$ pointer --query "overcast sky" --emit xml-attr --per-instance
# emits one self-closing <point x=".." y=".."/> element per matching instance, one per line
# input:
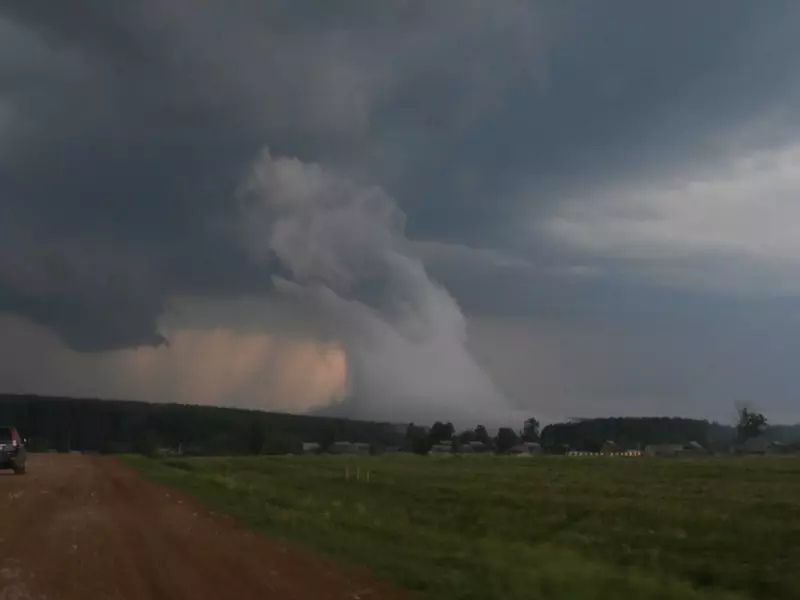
<point x="451" y="208"/>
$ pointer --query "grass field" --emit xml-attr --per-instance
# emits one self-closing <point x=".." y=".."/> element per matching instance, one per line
<point x="514" y="528"/>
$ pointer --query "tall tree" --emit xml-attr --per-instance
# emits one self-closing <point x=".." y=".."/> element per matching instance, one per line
<point x="467" y="436"/>
<point x="441" y="432"/>
<point x="329" y="438"/>
<point x="416" y="440"/>
<point x="482" y="435"/>
<point x="749" y="423"/>
<point x="507" y="438"/>
<point x="530" y="432"/>
<point x="410" y="431"/>
<point x="256" y="437"/>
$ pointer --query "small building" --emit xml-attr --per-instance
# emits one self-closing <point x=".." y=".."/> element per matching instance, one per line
<point x="609" y="447"/>
<point x="526" y="449"/>
<point x="349" y="448"/>
<point x="311" y="447"/>
<point x="441" y="449"/>
<point x="663" y="450"/>
<point x="476" y="447"/>
<point x="758" y="445"/>
<point x="687" y="449"/>
<point x="362" y="448"/>
<point x="341" y="448"/>
<point x="166" y="452"/>
<point x="694" y="449"/>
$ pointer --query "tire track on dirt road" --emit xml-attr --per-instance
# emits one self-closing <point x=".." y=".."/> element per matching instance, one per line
<point x="78" y="527"/>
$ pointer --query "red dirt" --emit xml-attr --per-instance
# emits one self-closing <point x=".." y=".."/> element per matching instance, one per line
<point x="81" y="527"/>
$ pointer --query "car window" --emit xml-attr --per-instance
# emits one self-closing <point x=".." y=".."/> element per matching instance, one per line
<point x="5" y="434"/>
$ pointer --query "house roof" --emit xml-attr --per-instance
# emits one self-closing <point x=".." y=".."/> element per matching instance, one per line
<point x="756" y="443"/>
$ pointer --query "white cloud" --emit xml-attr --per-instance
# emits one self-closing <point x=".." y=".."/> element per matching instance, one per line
<point x="737" y="228"/>
<point x="404" y="340"/>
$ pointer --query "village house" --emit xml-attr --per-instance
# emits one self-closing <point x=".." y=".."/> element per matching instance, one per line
<point x="758" y="445"/>
<point x="609" y="447"/>
<point x="311" y="447"/>
<point x="526" y="449"/>
<point x="349" y="448"/>
<point x="441" y="449"/>
<point x="688" y="449"/>
<point x="476" y="447"/>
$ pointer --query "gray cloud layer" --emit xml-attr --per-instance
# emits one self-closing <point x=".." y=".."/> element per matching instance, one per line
<point x="534" y="147"/>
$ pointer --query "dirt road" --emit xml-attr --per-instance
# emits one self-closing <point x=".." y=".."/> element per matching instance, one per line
<point x="80" y="527"/>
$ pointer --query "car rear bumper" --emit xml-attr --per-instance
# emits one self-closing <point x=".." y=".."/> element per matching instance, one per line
<point x="8" y="460"/>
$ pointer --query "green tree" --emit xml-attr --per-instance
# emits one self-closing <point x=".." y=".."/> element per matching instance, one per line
<point x="530" y="432"/>
<point x="467" y="436"/>
<point x="63" y="440"/>
<point x="416" y="440"/>
<point x="421" y="445"/>
<point x="749" y="424"/>
<point x="412" y="431"/>
<point x="482" y="435"/>
<point x="256" y="438"/>
<point x="441" y="432"/>
<point x="507" y="438"/>
<point x="283" y="444"/>
<point x="328" y="439"/>
<point x="147" y="445"/>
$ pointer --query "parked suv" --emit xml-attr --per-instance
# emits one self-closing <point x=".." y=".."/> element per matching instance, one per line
<point x="13" y="454"/>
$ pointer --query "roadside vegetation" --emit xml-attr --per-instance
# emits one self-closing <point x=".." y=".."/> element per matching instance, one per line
<point x="509" y="528"/>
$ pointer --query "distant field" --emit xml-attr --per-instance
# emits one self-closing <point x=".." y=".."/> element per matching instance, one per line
<point x="512" y="528"/>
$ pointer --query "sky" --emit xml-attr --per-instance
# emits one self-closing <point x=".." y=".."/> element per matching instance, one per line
<point x="405" y="210"/>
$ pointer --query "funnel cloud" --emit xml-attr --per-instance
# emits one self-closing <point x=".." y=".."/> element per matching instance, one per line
<point x="349" y="263"/>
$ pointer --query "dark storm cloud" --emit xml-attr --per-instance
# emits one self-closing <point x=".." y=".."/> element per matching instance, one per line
<point x="624" y="88"/>
<point x="125" y="127"/>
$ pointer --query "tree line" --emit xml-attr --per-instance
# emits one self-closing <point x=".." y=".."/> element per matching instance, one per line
<point x="111" y="426"/>
<point x="591" y="435"/>
<point x="421" y="440"/>
<point x="108" y="426"/>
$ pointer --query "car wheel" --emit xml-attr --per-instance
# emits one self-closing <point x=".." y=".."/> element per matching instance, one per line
<point x="21" y="470"/>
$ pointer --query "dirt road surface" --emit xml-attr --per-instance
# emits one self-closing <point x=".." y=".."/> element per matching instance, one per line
<point x="85" y="527"/>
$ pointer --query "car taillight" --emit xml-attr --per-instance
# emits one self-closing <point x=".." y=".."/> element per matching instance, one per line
<point x="15" y="443"/>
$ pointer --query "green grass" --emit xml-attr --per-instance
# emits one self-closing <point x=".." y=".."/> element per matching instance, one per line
<point x="514" y="528"/>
